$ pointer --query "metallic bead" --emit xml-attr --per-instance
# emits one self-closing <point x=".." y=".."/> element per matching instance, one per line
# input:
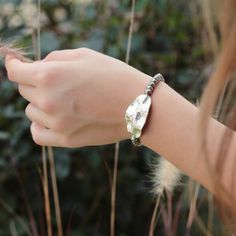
<point x="153" y="80"/>
<point x="152" y="84"/>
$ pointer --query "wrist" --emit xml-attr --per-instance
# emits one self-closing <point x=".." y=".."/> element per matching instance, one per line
<point x="134" y="86"/>
<point x="153" y="121"/>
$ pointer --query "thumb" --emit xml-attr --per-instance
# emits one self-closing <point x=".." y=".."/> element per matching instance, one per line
<point x="64" y="55"/>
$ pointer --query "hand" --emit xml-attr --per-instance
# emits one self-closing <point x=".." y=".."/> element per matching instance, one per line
<point x="77" y="97"/>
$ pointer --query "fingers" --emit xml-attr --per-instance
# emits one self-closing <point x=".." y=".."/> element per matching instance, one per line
<point x="36" y="115"/>
<point x="32" y="73"/>
<point x="27" y="92"/>
<point x="40" y="99"/>
<point x="20" y="72"/>
<point x="45" y="137"/>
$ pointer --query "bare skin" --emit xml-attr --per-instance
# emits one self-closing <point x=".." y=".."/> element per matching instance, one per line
<point x="79" y="97"/>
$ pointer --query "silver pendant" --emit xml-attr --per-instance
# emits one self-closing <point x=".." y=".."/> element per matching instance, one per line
<point x="136" y="115"/>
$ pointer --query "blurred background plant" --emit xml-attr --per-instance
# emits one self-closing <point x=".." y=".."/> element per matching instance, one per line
<point x="168" y="37"/>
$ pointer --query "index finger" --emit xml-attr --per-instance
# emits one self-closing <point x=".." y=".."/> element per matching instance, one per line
<point x="20" y="72"/>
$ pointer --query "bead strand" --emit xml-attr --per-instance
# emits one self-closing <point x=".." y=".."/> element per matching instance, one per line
<point x="153" y="83"/>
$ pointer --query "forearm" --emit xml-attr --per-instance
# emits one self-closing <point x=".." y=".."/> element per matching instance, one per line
<point x="172" y="131"/>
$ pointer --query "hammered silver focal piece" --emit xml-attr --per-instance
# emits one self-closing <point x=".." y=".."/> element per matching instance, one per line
<point x="137" y="113"/>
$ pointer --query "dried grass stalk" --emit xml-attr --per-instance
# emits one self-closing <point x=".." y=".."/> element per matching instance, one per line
<point x="164" y="177"/>
<point x="117" y="146"/>
<point x="10" y="48"/>
<point x="55" y="191"/>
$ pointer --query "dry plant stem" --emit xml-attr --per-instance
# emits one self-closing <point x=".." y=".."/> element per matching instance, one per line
<point x="113" y="190"/>
<point x="164" y="218"/>
<point x="46" y="193"/>
<point x="29" y="210"/>
<point x="55" y="191"/>
<point x="131" y="27"/>
<point x="220" y="103"/>
<point x="201" y="225"/>
<point x="166" y="215"/>
<point x="169" y="211"/>
<point x="192" y="210"/>
<point x="210" y="213"/>
<point x="165" y="178"/>
<point x="38" y="52"/>
<point x="11" y="49"/>
<point x="37" y="46"/>
<point x="153" y="220"/>
<point x="50" y="152"/>
<point x="177" y="215"/>
<point x="210" y="26"/>
<point x="16" y="217"/>
<point x="42" y="221"/>
<point x="193" y="214"/>
<point x="117" y="146"/>
<point x="93" y="206"/>
<point x="12" y="226"/>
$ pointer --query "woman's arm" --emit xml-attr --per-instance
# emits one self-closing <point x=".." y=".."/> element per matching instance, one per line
<point x="79" y="98"/>
<point x="173" y="131"/>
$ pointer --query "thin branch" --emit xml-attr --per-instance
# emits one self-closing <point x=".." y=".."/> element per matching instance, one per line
<point x="131" y="29"/>
<point x="39" y="30"/>
<point x="117" y="146"/>
<point x="55" y="191"/>
<point x="46" y="193"/>
<point x="113" y="191"/>
<point x="12" y="226"/>
<point x="193" y="209"/>
<point x="206" y="11"/>
<point x="21" y="221"/>
<point x="154" y="216"/>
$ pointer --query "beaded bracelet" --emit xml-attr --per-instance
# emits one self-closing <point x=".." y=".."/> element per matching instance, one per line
<point x="137" y="113"/>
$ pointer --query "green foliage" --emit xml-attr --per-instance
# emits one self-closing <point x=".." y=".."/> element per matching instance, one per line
<point x="166" y="39"/>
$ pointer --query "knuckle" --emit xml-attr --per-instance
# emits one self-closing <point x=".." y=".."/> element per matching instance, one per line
<point x="59" y="125"/>
<point x="67" y="141"/>
<point x="44" y="77"/>
<point x="27" y="110"/>
<point x="36" y="136"/>
<point x="36" y="139"/>
<point x="39" y="76"/>
<point x="46" y="105"/>
<point x="83" y="51"/>
<point x="20" y="89"/>
<point x="52" y="55"/>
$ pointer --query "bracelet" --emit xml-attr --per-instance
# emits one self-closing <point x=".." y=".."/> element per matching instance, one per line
<point x="137" y="113"/>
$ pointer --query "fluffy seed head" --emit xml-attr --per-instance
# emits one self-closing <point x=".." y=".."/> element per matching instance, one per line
<point x="9" y="48"/>
<point x="164" y="176"/>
